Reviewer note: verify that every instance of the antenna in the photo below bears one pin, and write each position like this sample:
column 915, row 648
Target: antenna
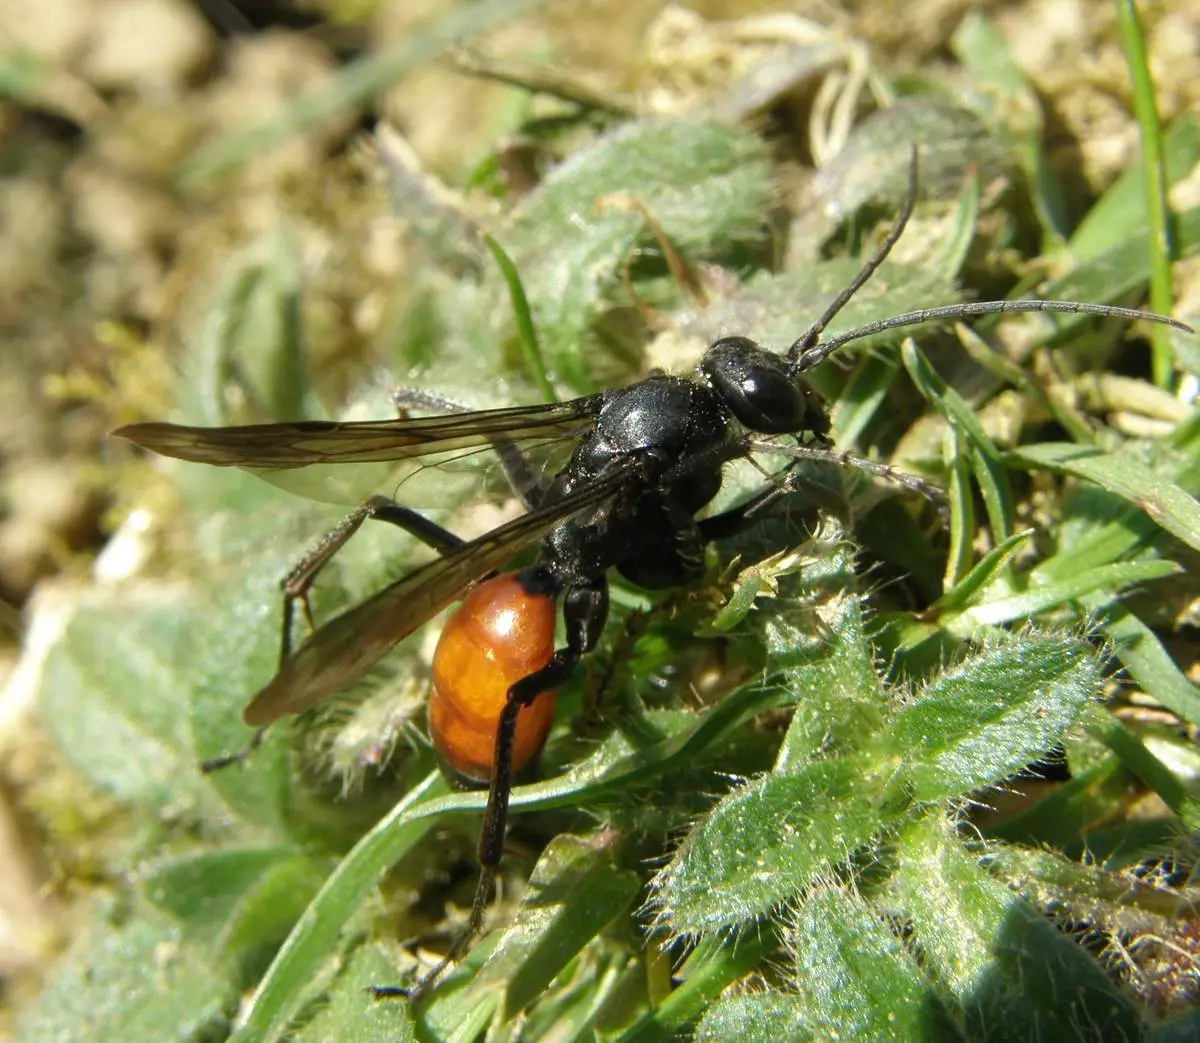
column 816, row 355
column 806, row 352
column 809, row 338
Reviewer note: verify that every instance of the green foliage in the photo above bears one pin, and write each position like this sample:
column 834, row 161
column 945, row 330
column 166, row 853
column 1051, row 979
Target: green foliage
column 992, row 958
column 130, row 975
column 763, row 843
column 573, row 234
column 982, row 719
column 857, row 978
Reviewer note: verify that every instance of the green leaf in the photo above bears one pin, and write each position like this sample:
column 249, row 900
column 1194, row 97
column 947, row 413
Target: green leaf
column 349, row 1014
column 1096, row 529
column 1148, row 661
column 706, row 185
column 1111, row 274
column 284, row 988
column 1080, row 890
column 985, row 457
column 116, row 700
column 989, row 568
column 1136, row 756
column 131, row 980
column 892, row 534
column 270, row 908
column 962, row 508
column 1125, row 474
column 956, row 250
column 757, row 1017
column 1050, row 595
column 857, row 979
column 233, row 652
column 1070, row 811
column 574, row 893
column 1157, row 208
column 1007, row 371
column 239, row 903
column 1009, row 100
column 762, row 844
column 1000, row 963
column 1120, row 214
column 251, row 333
column 775, row 307
column 711, row 968
column 992, row 713
column 948, row 402
column 861, row 398
column 204, row 891
column 873, row 165
column 531, row 349
column 838, row 696
column 603, row 988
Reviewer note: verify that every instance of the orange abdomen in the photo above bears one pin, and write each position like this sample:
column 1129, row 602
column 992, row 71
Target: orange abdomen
column 500, row 634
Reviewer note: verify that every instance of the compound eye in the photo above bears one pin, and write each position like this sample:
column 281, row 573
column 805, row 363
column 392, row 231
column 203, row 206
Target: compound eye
column 758, row 387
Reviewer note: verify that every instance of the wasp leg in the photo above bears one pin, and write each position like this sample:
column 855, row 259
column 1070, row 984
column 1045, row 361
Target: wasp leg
column 297, row 583
column 736, row 519
column 842, row 458
column 406, row 398
column 585, row 609
column 237, row 757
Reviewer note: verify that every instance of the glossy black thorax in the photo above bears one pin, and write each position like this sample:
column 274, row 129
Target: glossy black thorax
column 680, row 434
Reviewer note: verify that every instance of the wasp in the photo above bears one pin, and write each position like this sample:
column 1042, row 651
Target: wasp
column 647, row 459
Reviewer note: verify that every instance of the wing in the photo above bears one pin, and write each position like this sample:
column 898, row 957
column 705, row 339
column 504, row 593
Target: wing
column 345, row 649
column 275, row 446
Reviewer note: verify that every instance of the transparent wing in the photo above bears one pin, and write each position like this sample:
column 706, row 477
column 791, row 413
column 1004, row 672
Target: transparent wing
column 440, row 480
column 433, row 461
column 276, row 446
column 345, row 649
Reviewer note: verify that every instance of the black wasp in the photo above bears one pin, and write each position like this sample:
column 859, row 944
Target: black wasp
column 647, row 459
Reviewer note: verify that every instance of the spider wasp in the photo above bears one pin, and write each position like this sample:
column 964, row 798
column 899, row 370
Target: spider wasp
column 647, row 460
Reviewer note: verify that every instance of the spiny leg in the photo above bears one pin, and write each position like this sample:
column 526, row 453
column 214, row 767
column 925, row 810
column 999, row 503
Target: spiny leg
column 297, row 583
column 585, row 609
column 736, row 519
column 733, row 521
column 843, row 458
column 406, row 398
column 237, row 757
